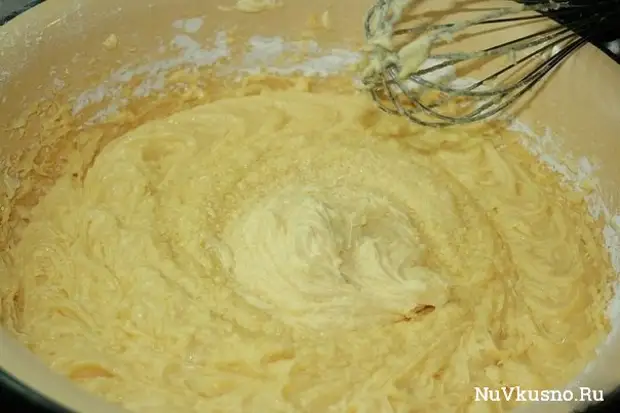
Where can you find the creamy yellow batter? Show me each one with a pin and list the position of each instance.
(300, 252)
(254, 6)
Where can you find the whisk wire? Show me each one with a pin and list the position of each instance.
(490, 95)
(491, 107)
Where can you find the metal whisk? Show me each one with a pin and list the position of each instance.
(407, 74)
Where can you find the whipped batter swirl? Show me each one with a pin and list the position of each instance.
(298, 252)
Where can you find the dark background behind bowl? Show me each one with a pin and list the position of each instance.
(17, 398)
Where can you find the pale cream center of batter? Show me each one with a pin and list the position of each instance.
(322, 256)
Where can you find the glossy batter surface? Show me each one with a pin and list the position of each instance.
(299, 252)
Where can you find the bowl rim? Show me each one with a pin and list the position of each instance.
(17, 389)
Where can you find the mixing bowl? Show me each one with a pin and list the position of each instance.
(88, 53)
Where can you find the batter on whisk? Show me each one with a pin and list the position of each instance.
(412, 60)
